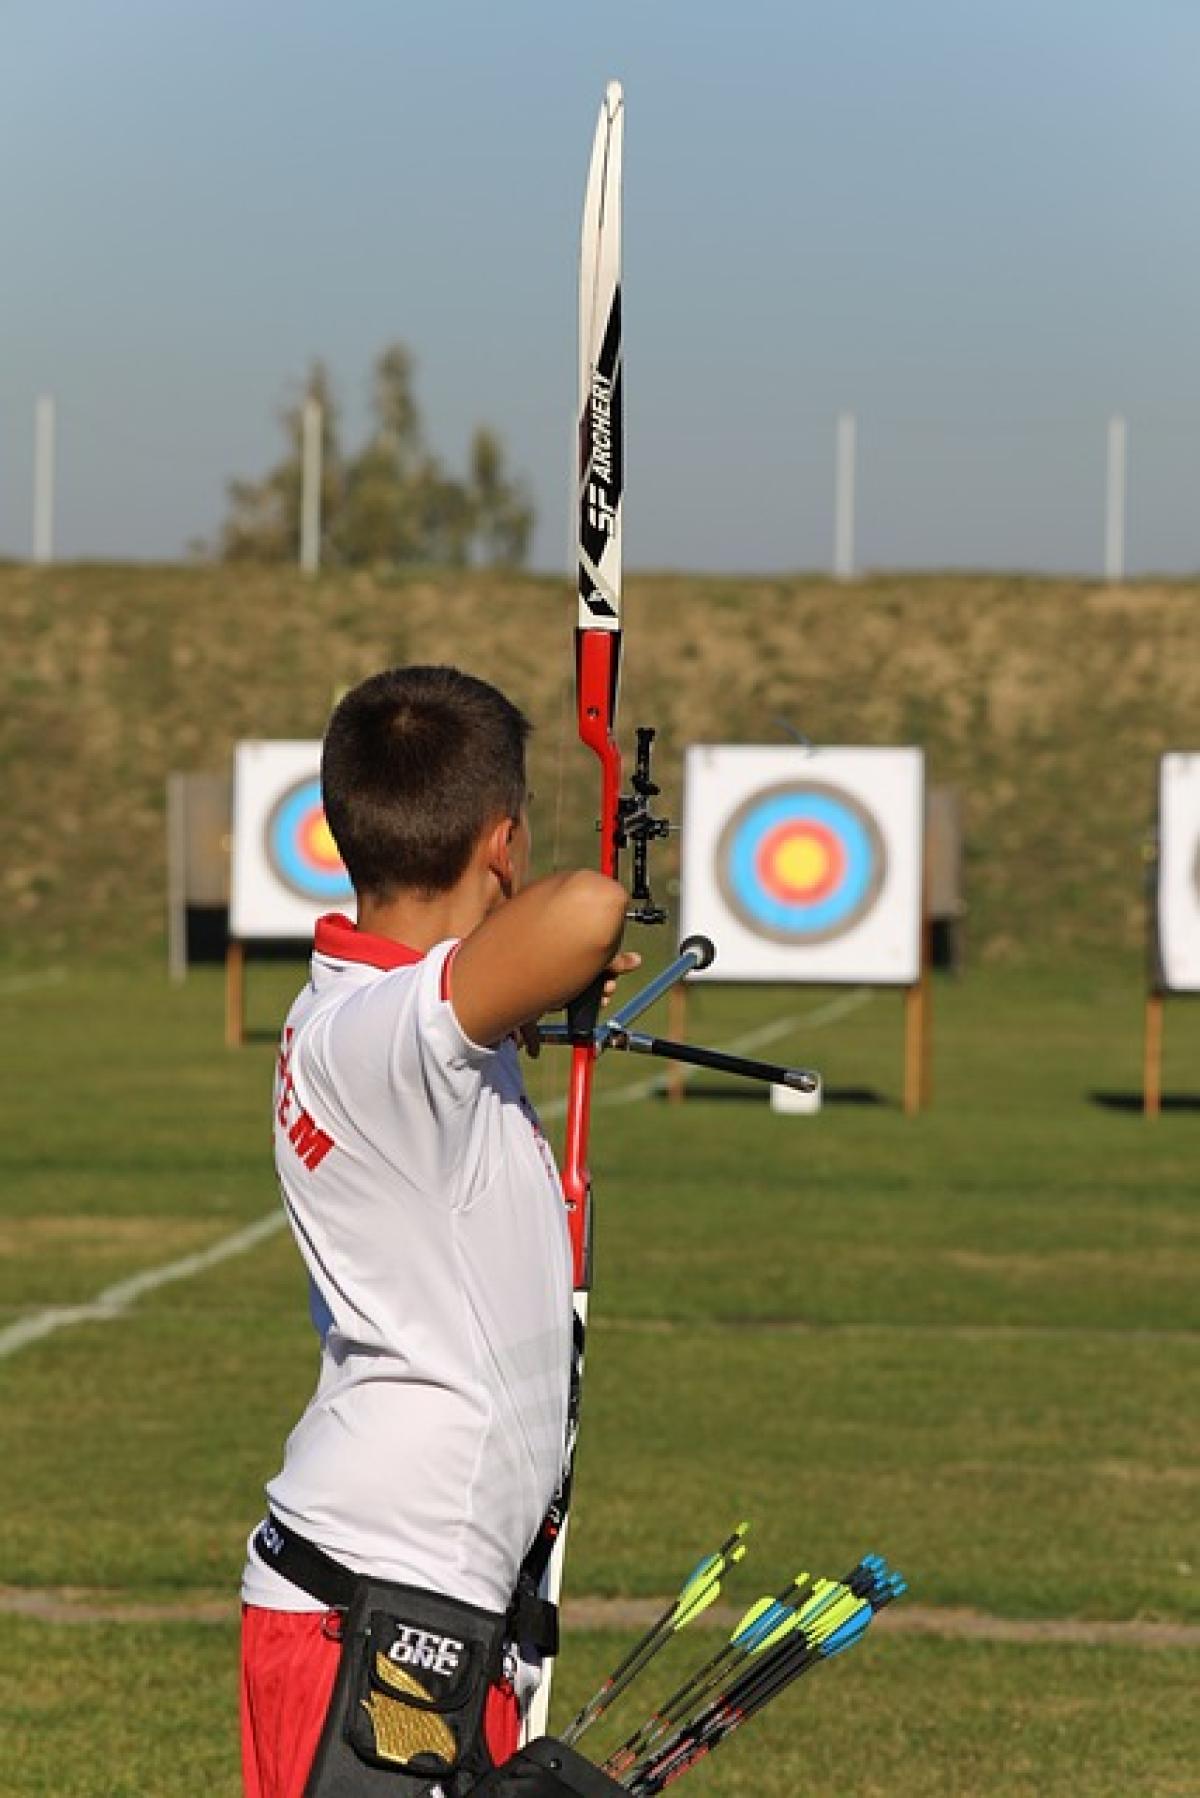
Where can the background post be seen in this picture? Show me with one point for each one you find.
(843, 508)
(43, 479)
(1114, 512)
(310, 488)
(677, 1010)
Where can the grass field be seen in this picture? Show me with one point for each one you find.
(969, 1341)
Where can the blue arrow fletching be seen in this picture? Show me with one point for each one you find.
(847, 1635)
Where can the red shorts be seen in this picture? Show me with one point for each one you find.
(289, 1662)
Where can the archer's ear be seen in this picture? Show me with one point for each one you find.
(499, 848)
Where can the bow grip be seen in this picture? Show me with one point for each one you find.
(583, 1012)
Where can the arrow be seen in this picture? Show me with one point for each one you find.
(838, 1618)
(806, 1602)
(760, 1626)
(698, 1591)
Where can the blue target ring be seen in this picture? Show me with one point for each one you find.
(801, 863)
(300, 850)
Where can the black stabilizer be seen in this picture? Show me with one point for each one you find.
(548, 1769)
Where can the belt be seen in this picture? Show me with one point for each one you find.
(532, 1621)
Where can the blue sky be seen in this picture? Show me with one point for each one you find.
(973, 223)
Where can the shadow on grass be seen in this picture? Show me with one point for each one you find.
(1132, 1101)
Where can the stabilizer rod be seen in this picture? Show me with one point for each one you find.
(804, 1080)
(695, 952)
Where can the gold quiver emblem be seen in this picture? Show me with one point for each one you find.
(401, 1733)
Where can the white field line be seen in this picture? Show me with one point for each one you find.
(816, 1019)
(29, 983)
(114, 1301)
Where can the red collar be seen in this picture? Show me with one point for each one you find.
(341, 940)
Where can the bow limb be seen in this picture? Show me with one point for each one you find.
(597, 661)
(600, 483)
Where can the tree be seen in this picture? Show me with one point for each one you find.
(393, 503)
(502, 509)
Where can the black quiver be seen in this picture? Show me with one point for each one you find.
(548, 1769)
(406, 1716)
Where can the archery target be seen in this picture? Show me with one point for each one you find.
(805, 865)
(801, 863)
(286, 868)
(1178, 896)
(299, 845)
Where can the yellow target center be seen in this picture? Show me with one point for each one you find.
(324, 847)
(802, 862)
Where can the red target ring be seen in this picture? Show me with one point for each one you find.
(800, 862)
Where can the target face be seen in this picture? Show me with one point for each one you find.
(1177, 912)
(285, 871)
(300, 848)
(801, 863)
(804, 864)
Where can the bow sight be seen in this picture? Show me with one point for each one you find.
(637, 828)
(634, 828)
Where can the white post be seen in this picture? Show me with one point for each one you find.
(573, 501)
(310, 488)
(43, 479)
(843, 508)
(1114, 517)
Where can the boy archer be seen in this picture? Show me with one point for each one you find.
(426, 1205)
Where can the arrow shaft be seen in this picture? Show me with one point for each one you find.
(697, 1592)
(705, 1681)
(746, 1689)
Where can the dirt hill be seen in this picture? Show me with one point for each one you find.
(1047, 702)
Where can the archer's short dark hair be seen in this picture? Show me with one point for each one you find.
(417, 763)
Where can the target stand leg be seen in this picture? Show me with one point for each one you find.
(1152, 1057)
(235, 994)
(916, 1047)
(677, 1010)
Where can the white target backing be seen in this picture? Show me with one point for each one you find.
(1178, 907)
(286, 868)
(805, 865)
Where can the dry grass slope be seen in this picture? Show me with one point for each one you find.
(1046, 701)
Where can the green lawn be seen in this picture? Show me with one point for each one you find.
(117, 1712)
(968, 1341)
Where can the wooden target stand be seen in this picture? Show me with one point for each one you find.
(1171, 892)
(918, 1033)
(1157, 990)
(1152, 1054)
(235, 994)
(236, 958)
(1154, 1031)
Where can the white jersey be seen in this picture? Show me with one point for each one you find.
(427, 1207)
